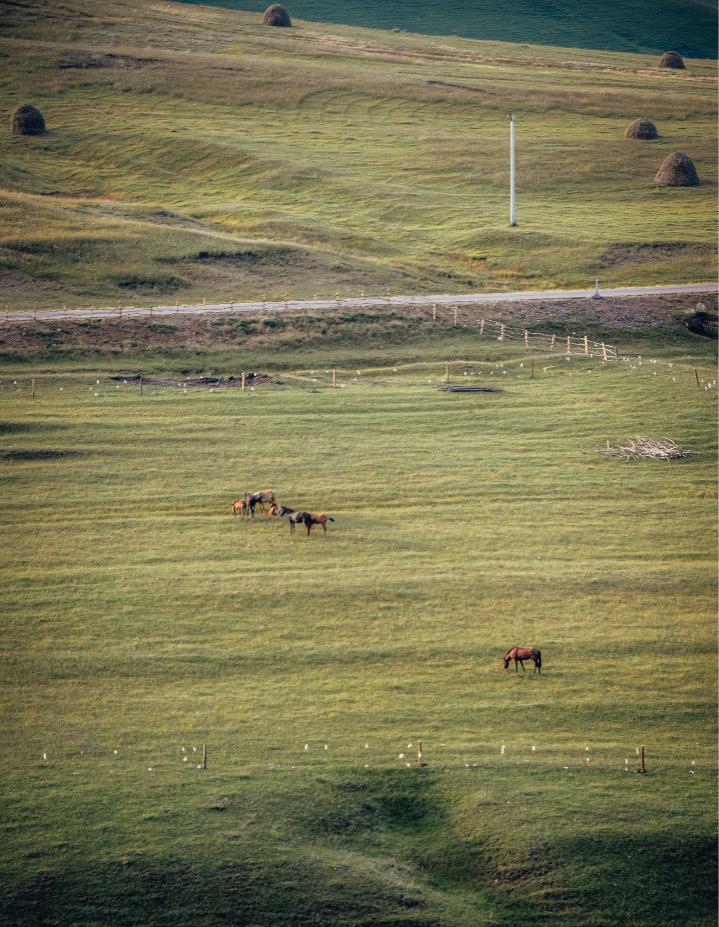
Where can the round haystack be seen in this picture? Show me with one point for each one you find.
(672, 60)
(677, 170)
(27, 120)
(276, 15)
(641, 128)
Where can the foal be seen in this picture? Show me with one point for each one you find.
(520, 654)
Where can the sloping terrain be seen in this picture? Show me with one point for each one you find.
(192, 153)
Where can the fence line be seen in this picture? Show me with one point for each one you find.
(416, 753)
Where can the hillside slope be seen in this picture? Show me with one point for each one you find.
(687, 26)
(192, 152)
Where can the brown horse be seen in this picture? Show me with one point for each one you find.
(316, 518)
(520, 654)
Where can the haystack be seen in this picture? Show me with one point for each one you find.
(677, 170)
(641, 128)
(276, 15)
(27, 120)
(672, 60)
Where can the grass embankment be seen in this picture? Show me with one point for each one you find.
(193, 153)
(140, 617)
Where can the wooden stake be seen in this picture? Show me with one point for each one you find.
(642, 768)
(243, 381)
(531, 376)
(434, 312)
(526, 338)
(481, 327)
(551, 346)
(569, 344)
(501, 331)
(604, 351)
(586, 345)
(334, 377)
(696, 377)
(420, 755)
(34, 384)
(204, 756)
(455, 315)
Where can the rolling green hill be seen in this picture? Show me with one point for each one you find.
(636, 26)
(193, 153)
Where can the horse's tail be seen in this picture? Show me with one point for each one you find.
(538, 656)
(330, 518)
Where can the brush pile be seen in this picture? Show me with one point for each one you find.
(644, 448)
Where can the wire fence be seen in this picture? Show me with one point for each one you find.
(317, 756)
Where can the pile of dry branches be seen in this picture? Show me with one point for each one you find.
(644, 448)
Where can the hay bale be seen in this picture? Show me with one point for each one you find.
(276, 15)
(27, 120)
(677, 170)
(672, 59)
(641, 128)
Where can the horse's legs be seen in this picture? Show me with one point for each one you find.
(324, 525)
(521, 663)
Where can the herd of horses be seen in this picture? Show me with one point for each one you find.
(264, 501)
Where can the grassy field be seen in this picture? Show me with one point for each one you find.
(193, 153)
(142, 620)
(639, 26)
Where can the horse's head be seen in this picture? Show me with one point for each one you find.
(273, 509)
(506, 661)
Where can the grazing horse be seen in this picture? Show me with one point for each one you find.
(260, 498)
(316, 518)
(520, 654)
(295, 516)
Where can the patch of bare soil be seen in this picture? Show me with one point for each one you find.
(251, 379)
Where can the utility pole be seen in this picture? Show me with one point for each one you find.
(512, 174)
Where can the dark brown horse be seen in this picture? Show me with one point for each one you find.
(316, 518)
(520, 654)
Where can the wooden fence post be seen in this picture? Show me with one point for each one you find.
(455, 315)
(34, 384)
(526, 338)
(586, 345)
(481, 327)
(420, 755)
(204, 756)
(569, 344)
(551, 346)
(604, 352)
(501, 331)
(334, 377)
(696, 377)
(642, 766)
(243, 382)
(434, 312)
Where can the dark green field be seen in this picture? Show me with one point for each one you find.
(687, 26)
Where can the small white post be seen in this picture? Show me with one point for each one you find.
(512, 173)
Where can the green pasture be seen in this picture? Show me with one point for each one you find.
(640, 26)
(141, 621)
(192, 154)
